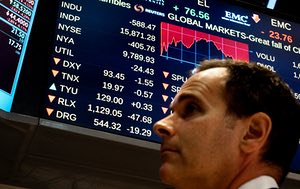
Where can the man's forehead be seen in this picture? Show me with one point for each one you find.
(206, 86)
(207, 80)
(213, 72)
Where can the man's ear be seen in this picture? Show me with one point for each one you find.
(257, 131)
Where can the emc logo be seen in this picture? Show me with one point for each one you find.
(236, 18)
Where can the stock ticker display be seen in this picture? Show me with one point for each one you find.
(16, 17)
(116, 65)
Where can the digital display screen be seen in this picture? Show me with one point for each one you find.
(16, 18)
(117, 65)
(114, 66)
(295, 167)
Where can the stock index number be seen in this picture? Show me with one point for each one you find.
(280, 36)
(144, 82)
(143, 94)
(15, 44)
(141, 69)
(112, 87)
(142, 46)
(106, 124)
(142, 106)
(18, 33)
(139, 131)
(104, 110)
(140, 118)
(138, 57)
(111, 74)
(197, 14)
(137, 34)
(108, 98)
(143, 25)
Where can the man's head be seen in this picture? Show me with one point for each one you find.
(229, 116)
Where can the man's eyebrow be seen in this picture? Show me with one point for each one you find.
(182, 97)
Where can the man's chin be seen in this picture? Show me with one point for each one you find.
(166, 173)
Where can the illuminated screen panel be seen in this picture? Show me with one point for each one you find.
(117, 64)
(295, 167)
(16, 18)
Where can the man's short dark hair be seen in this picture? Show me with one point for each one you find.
(250, 88)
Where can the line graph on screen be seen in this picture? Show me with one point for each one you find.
(190, 46)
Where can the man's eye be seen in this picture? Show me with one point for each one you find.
(190, 109)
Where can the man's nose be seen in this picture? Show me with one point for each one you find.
(163, 128)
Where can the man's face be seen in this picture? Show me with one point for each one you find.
(199, 141)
